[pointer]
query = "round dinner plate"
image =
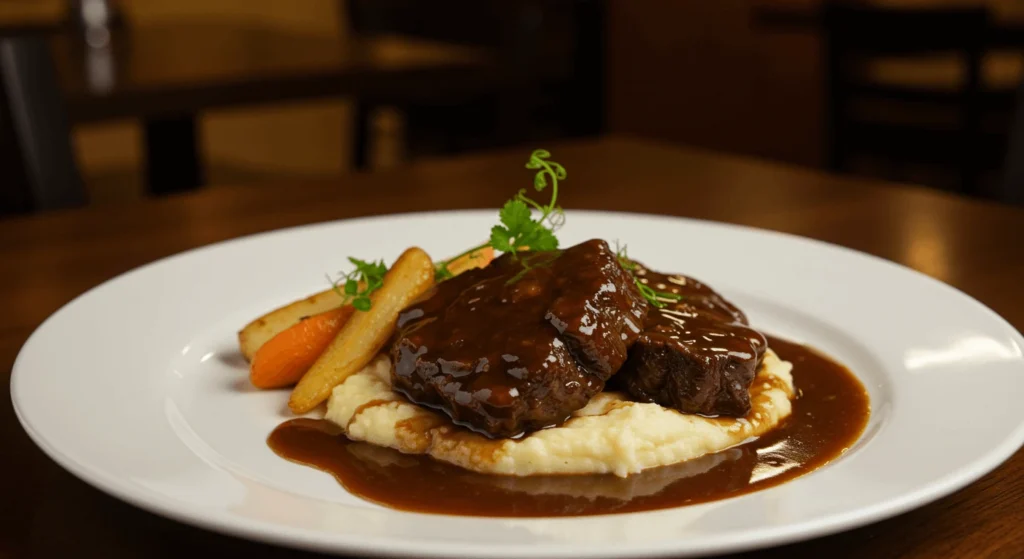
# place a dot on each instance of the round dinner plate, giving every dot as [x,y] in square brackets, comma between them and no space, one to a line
[138,388]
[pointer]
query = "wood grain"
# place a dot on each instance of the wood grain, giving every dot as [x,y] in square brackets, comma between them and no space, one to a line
[176,69]
[47,260]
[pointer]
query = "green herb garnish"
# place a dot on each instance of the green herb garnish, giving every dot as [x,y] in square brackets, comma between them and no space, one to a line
[653,296]
[357,285]
[441,271]
[519,230]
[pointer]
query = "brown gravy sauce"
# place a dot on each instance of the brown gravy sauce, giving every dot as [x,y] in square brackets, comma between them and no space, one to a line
[829,415]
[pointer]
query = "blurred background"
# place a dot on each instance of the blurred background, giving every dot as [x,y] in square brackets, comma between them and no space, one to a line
[107,101]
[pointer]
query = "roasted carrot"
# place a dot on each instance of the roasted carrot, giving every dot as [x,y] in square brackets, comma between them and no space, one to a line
[283,359]
[366,333]
[475,259]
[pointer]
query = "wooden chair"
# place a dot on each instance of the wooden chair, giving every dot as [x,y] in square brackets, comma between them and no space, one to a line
[878,106]
[529,86]
[1012,186]
[36,156]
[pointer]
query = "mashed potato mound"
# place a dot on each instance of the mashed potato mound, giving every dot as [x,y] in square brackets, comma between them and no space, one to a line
[609,435]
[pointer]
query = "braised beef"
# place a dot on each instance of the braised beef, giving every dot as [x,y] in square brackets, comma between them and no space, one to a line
[521,344]
[697,355]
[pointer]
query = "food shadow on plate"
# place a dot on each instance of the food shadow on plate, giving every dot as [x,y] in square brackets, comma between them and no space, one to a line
[238,381]
[242,385]
[233,358]
[238,374]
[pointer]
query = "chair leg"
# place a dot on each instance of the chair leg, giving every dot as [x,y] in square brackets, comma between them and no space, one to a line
[361,140]
[39,169]
[172,155]
[1011,188]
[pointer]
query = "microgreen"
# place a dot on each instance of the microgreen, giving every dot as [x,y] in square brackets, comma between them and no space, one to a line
[519,229]
[653,296]
[356,286]
[441,271]
[525,225]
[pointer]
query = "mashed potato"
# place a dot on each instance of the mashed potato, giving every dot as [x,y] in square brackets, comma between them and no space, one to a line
[609,435]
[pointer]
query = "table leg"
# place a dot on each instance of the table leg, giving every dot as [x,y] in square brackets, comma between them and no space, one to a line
[361,140]
[172,155]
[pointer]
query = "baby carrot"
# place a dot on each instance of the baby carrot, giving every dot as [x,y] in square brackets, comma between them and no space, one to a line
[476,259]
[283,359]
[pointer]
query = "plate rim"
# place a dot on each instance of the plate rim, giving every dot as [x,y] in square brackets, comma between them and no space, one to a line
[302,538]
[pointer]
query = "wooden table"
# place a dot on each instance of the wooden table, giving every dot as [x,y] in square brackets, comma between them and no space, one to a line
[49,259]
[166,75]
[1007,16]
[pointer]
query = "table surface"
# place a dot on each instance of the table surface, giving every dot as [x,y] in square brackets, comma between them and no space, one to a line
[1007,16]
[183,68]
[47,260]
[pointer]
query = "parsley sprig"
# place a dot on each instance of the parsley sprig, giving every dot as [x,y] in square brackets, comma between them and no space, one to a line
[520,230]
[357,285]
[653,296]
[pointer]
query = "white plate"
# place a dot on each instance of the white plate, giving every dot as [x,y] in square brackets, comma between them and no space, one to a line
[137,388]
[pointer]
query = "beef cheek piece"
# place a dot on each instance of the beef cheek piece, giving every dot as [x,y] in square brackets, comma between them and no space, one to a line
[697,355]
[521,344]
